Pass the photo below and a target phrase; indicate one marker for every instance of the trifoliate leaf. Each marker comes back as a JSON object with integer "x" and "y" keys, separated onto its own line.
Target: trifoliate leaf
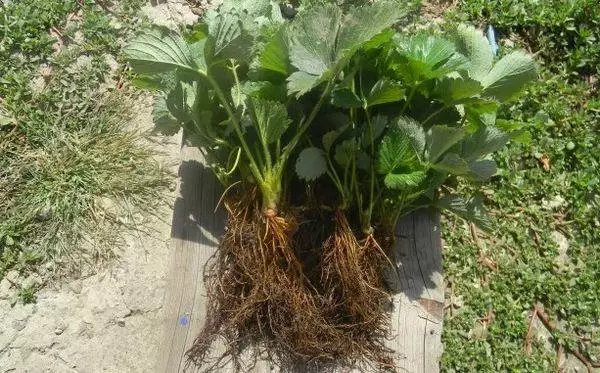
{"x": 271, "y": 119}
{"x": 474, "y": 45}
{"x": 509, "y": 76}
{"x": 483, "y": 170}
{"x": 164, "y": 122}
{"x": 345, "y": 98}
{"x": 346, "y": 152}
{"x": 453, "y": 164}
{"x": 403, "y": 181}
{"x": 395, "y": 151}
{"x": 469, "y": 209}
{"x": 311, "y": 164}
{"x": 322, "y": 39}
{"x": 453, "y": 91}
{"x": 384, "y": 92}
{"x": 160, "y": 50}
{"x": 442, "y": 138}
{"x": 412, "y": 130}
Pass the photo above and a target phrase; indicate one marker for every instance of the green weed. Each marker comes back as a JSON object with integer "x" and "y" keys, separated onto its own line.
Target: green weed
{"x": 547, "y": 191}
{"x": 72, "y": 167}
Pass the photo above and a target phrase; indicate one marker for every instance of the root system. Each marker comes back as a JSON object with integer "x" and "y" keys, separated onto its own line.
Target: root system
{"x": 355, "y": 292}
{"x": 305, "y": 297}
{"x": 259, "y": 296}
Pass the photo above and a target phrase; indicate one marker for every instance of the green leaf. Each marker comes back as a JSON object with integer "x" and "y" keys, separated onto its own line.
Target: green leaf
{"x": 274, "y": 55}
{"x": 484, "y": 141}
{"x": 300, "y": 83}
{"x": 483, "y": 170}
{"x": 509, "y": 75}
{"x": 311, "y": 164}
{"x": 412, "y": 130}
{"x": 363, "y": 161}
{"x": 362, "y": 24}
{"x": 453, "y": 164}
{"x": 345, "y": 98}
{"x": 378, "y": 124}
{"x": 435, "y": 181}
{"x": 160, "y": 50}
{"x": 516, "y": 129}
{"x": 442, "y": 138}
{"x": 475, "y": 46}
{"x": 228, "y": 39}
{"x": 468, "y": 209}
{"x": 453, "y": 91}
{"x": 322, "y": 39}
{"x": 271, "y": 119}
{"x": 9, "y": 241}
{"x": 384, "y": 92}
{"x": 425, "y": 57}
{"x": 346, "y": 152}
{"x": 313, "y": 39}
{"x": 181, "y": 100}
{"x": 394, "y": 152}
{"x": 265, "y": 90}
{"x": 329, "y": 138}
{"x": 402, "y": 181}
{"x": 164, "y": 122}
{"x": 481, "y": 112}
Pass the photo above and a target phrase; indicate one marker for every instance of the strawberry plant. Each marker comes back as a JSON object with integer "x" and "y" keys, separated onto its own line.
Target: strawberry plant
{"x": 374, "y": 120}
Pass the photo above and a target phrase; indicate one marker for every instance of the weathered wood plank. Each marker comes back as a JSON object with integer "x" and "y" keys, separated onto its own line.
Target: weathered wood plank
{"x": 418, "y": 313}
{"x": 418, "y": 304}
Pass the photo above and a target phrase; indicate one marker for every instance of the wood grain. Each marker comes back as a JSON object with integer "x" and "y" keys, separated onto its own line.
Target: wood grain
{"x": 418, "y": 300}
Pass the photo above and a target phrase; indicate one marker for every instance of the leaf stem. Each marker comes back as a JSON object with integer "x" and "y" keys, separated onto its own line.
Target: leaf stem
{"x": 287, "y": 151}
{"x": 413, "y": 90}
{"x": 237, "y": 128}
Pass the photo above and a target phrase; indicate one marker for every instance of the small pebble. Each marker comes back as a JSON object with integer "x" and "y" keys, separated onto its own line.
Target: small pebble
{"x": 60, "y": 328}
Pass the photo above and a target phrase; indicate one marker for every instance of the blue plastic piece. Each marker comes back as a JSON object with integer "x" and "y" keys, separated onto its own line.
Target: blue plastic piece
{"x": 184, "y": 320}
{"x": 491, "y": 36}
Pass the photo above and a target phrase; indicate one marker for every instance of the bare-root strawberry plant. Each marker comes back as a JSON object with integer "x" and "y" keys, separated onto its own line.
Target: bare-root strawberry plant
{"x": 324, "y": 129}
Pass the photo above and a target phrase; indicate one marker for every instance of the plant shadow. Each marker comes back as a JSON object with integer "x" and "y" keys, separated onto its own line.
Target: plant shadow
{"x": 196, "y": 217}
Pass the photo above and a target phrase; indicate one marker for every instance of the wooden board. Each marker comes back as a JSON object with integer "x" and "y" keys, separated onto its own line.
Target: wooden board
{"x": 418, "y": 302}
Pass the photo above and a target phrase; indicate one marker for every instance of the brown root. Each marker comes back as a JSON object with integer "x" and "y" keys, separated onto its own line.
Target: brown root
{"x": 358, "y": 303}
{"x": 259, "y": 298}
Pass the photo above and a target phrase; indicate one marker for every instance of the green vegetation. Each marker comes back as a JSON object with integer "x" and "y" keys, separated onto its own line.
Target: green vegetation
{"x": 71, "y": 164}
{"x": 547, "y": 191}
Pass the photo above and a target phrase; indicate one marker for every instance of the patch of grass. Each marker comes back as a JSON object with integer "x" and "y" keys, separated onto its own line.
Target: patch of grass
{"x": 547, "y": 194}
{"x": 72, "y": 167}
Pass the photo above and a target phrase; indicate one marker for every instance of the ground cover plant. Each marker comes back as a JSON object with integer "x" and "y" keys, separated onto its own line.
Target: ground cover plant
{"x": 544, "y": 247}
{"x": 370, "y": 121}
{"x": 71, "y": 164}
